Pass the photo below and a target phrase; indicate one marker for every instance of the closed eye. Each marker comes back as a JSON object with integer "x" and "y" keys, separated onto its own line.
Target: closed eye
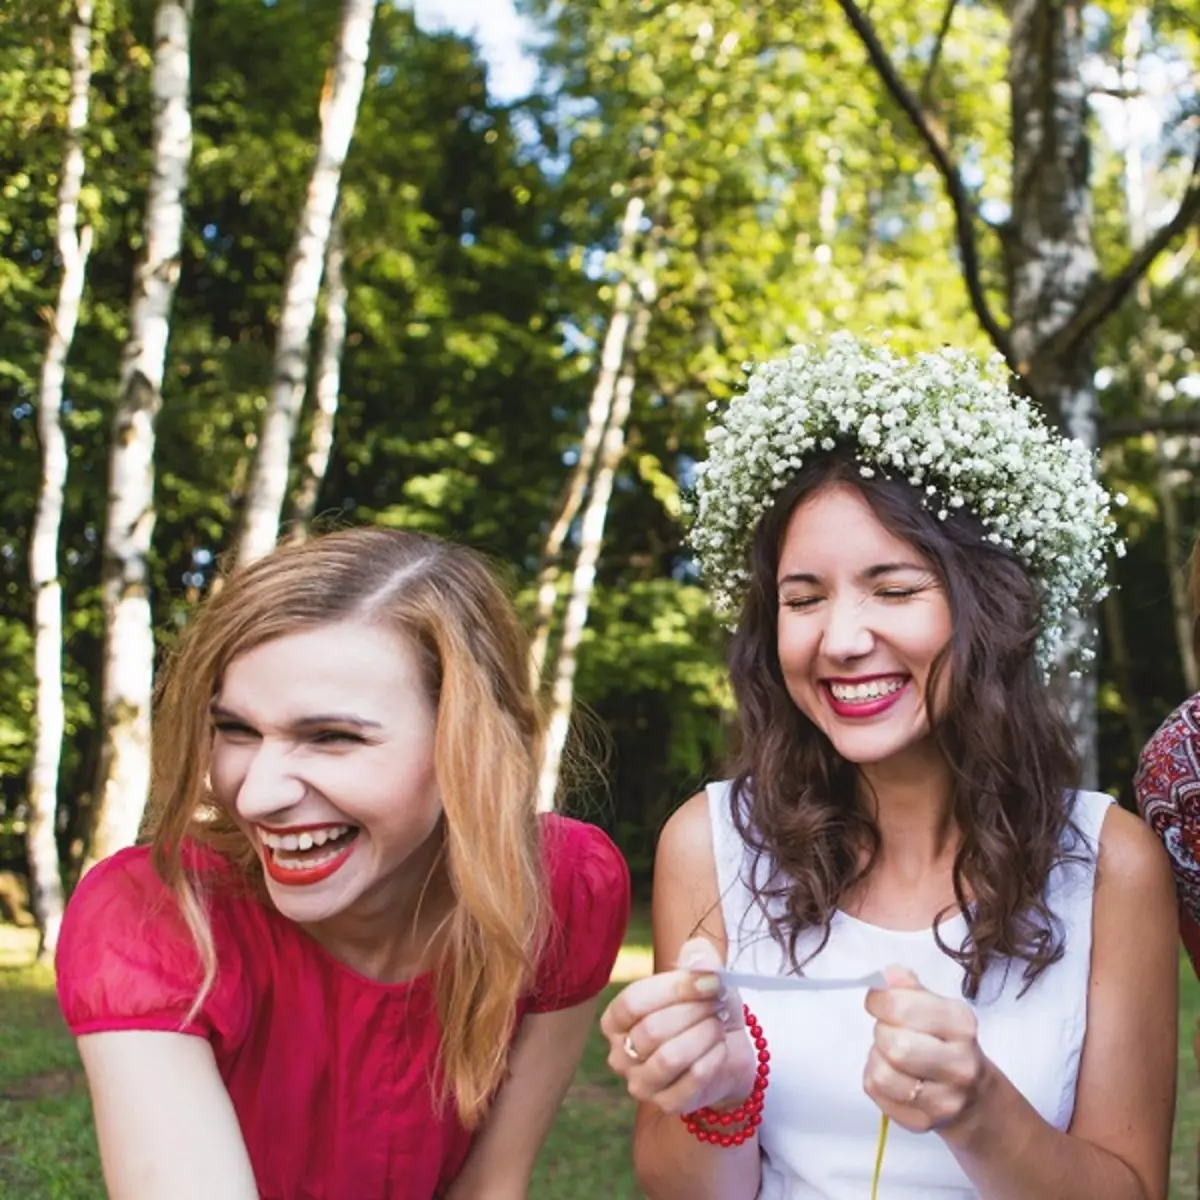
{"x": 799, "y": 603}
{"x": 234, "y": 729}
{"x": 898, "y": 593}
{"x": 335, "y": 737}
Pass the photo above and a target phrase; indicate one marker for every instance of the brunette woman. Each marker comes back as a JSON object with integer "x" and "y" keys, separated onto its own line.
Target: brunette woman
{"x": 902, "y": 542}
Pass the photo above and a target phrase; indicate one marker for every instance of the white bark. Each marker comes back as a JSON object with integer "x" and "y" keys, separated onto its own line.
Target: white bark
{"x": 1145, "y": 371}
{"x": 74, "y": 246}
{"x": 339, "y": 112}
{"x": 128, "y": 666}
{"x": 583, "y": 579}
{"x": 327, "y": 386}
{"x": 598, "y": 413}
{"x": 1052, "y": 260}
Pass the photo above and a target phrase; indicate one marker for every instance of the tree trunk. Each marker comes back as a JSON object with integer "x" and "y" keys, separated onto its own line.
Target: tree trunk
{"x": 597, "y": 419}
{"x": 583, "y": 579}
{"x": 1052, "y": 262}
{"x": 326, "y": 388}
{"x": 1145, "y": 373}
{"x": 339, "y": 112}
{"x": 74, "y": 246}
{"x": 1118, "y": 645}
{"x": 128, "y": 667}
{"x": 1057, "y": 301}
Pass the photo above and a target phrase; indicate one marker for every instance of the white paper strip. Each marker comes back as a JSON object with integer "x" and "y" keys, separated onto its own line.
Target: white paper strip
{"x": 798, "y": 983}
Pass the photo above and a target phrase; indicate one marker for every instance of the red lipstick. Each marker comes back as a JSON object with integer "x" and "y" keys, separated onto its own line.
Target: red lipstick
{"x": 862, "y": 709}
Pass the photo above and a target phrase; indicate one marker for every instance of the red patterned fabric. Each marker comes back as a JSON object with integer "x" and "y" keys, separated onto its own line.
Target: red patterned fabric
{"x": 331, "y": 1073}
{"x": 1167, "y": 786}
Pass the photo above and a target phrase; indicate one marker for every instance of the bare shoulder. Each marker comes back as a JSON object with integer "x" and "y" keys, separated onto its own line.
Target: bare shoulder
{"x": 1134, "y": 908}
{"x": 1132, "y": 864}
{"x": 685, "y": 843}
{"x": 686, "y": 899}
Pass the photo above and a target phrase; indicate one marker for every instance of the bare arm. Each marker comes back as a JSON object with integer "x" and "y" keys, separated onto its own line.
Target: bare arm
{"x": 165, "y": 1123}
{"x": 1118, "y": 1147}
{"x": 670, "y": 1163}
{"x": 547, "y": 1050}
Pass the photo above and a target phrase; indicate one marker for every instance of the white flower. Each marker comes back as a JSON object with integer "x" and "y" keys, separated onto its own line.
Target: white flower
{"x": 948, "y": 424}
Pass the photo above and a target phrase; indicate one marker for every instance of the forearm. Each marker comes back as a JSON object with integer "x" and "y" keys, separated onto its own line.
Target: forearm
{"x": 1009, "y": 1152}
{"x": 672, "y": 1164}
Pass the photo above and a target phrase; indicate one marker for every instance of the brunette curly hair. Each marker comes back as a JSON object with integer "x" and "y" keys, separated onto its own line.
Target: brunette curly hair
{"x": 796, "y": 800}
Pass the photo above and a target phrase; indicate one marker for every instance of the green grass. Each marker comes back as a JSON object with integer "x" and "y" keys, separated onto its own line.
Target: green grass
{"x": 48, "y": 1149}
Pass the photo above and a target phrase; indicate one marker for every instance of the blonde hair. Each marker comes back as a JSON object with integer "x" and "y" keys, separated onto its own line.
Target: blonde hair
{"x": 444, "y": 599}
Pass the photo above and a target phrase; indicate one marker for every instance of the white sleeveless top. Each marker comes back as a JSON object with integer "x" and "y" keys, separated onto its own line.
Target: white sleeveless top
{"x": 820, "y": 1129}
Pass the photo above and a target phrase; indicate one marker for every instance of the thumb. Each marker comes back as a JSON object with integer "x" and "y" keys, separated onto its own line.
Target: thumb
{"x": 900, "y": 977}
{"x": 699, "y": 954}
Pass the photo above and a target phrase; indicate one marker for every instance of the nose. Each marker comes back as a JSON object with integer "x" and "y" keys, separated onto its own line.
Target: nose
{"x": 846, "y": 635}
{"x": 270, "y": 785}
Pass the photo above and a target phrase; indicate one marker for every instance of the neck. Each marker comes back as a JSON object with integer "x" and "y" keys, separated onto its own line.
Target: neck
{"x": 390, "y": 933}
{"x": 911, "y": 799}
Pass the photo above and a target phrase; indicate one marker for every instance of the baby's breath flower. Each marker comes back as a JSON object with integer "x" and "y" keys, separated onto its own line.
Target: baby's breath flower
{"x": 948, "y": 424}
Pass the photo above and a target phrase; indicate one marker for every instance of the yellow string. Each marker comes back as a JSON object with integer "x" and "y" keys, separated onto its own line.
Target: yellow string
{"x": 883, "y": 1132}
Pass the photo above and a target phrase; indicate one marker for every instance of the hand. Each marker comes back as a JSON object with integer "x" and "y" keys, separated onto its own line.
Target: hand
{"x": 678, "y": 1040}
{"x": 925, "y": 1070}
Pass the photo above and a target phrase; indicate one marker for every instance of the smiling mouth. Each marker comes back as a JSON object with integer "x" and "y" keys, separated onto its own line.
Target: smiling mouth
{"x": 865, "y": 693}
{"x": 307, "y": 856}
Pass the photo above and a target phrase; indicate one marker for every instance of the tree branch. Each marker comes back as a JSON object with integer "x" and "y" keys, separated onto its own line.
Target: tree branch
{"x": 1106, "y": 296}
{"x": 1176, "y": 422}
{"x": 935, "y": 57}
{"x": 963, "y": 209}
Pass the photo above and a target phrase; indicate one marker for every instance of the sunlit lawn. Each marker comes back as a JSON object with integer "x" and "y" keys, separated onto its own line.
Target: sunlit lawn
{"x": 47, "y": 1149}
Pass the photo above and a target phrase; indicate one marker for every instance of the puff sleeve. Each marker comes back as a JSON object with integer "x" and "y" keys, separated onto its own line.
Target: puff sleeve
{"x": 589, "y": 883}
{"x": 1167, "y": 787}
{"x": 126, "y": 959}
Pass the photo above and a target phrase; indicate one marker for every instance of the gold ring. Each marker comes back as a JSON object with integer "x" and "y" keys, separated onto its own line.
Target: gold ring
{"x": 631, "y": 1049}
{"x": 914, "y": 1095}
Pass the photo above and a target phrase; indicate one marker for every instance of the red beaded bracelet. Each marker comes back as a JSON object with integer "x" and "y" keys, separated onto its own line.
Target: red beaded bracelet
{"x": 712, "y": 1126}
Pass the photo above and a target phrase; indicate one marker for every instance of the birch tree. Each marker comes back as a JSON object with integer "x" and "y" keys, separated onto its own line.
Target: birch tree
{"x": 74, "y": 246}
{"x": 591, "y": 539}
{"x": 128, "y": 666}
{"x": 1145, "y": 376}
{"x": 326, "y": 387}
{"x": 598, "y": 414}
{"x": 339, "y": 113}
{"x": 1057, "y": 297}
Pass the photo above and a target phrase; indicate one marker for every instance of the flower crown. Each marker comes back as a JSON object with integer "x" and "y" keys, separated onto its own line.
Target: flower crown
{"x": 948, "y": 424}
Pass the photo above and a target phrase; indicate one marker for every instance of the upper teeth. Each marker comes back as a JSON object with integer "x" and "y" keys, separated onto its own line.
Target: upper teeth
{"x": 303, "y": 841}
{"x": 865, "y": 691}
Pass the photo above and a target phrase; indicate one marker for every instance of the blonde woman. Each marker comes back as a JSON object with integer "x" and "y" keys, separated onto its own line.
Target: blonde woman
{"x": 351, "y": 960}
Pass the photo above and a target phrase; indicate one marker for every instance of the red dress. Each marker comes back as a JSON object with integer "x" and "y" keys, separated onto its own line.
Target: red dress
{"x": 329, "y": 1072}
{"x": 1167, "y": 786}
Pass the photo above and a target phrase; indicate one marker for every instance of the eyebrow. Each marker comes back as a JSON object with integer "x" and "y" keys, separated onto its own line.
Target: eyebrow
{"x": 879, "y": 569}
{"x": 351, "y": 719}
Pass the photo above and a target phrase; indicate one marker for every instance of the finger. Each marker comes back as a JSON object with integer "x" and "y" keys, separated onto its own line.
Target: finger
{"x": 893, "y": 1090}
{"x": 900, "y": 977}
{"x": 923, "y": 1011}
{"x": 896, "y": 977}
{"x": 922, "y": 1056}
{"x": 653, "y": 993}
{"x": 664, "y": 1024}
{"x": 694, "y": 1087}
{"x": 672, "y": 1061}
{"x": 699, "y": 954}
